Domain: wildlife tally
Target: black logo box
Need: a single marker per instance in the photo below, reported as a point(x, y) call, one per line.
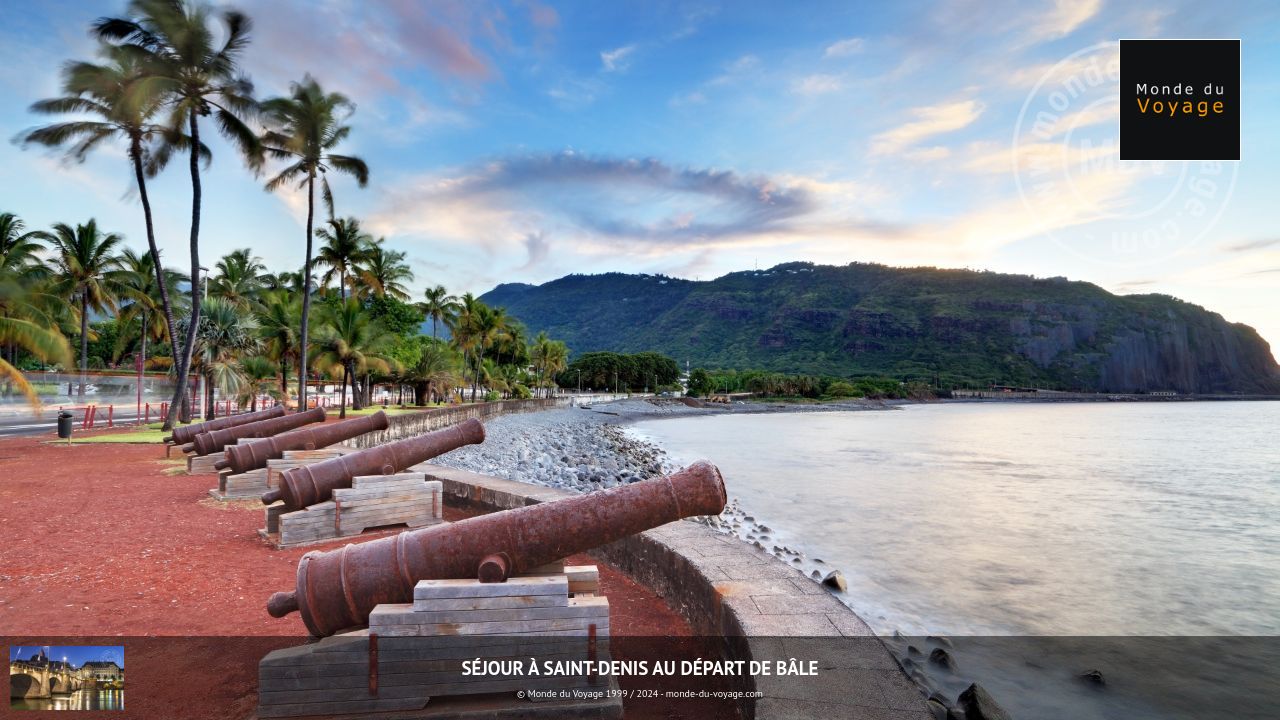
point(1187, 68)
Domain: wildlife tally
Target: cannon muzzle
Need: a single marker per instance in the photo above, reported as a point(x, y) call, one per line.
point(215, 441)
point(185, 433)
point(339, 588)
point(253, 455)
point(314, 483)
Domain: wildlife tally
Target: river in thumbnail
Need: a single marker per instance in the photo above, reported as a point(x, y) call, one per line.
point(1000, 522)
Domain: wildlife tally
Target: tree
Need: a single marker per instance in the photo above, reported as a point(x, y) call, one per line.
point(279, 315)
point(353, 342)
point(549, 357)
point(140, 304)
point(125, 102)
point(700, 384)
point(343, 251)
point(20, 264)
point(225, 334)
point(383, 272)
point(435, 372)
point(440, 306)
point(304, 128)
point(239, 278)
point(87, 271)
point(259, 375)
point(174, 41)
point(25, 325)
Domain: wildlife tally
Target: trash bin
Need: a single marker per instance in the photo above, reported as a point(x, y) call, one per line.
point(64, 425)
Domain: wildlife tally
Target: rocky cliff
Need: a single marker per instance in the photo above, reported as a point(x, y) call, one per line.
point(957, 326)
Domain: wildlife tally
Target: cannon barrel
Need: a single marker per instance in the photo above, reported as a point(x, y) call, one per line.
point(183, 434)
point(215, 441)
point(339, 588)
point(314, 483)
point(253, 455)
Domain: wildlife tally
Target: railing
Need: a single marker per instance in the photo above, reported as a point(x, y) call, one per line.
point(417, 423)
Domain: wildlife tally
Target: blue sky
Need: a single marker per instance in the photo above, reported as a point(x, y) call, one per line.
point(77, 655)
point(522, 141)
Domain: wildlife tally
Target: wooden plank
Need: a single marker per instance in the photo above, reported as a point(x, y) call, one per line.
point(490, 603)
point(521, 585)
point(512, 627)
point(389, 614)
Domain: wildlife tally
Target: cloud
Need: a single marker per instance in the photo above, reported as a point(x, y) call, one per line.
point(1064, 18)
point(1250, 245)
point(844, 48)
point(616, 60)
point(538, 247)
point(930, 120)
point(818, 84)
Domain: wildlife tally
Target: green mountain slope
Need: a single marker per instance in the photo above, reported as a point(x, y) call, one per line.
point(966, 327)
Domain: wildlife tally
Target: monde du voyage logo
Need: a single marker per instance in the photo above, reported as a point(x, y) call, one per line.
point(1179, 99)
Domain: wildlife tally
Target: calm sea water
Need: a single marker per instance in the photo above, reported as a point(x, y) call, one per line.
point(1141, 540)
point(1021, 519)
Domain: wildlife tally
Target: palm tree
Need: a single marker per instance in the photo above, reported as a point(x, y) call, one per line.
point(278, 317)
point(197, 78)
point(259, 374)
point(464, 328)
point(87, 271)
point(304, 129)
point(19, 262)
point(439, 306)
point(343, 252)
point(435, 373)
point(239, 277)
point(384, 272)
point(225, 334)
point(352, 341)
point(125, 104)
point(549, 357)
point(24, 325)
point(139, 294)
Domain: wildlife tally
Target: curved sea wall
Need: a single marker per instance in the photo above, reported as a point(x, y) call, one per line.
point(758, 605)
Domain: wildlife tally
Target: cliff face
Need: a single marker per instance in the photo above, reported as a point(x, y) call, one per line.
point(961, 327)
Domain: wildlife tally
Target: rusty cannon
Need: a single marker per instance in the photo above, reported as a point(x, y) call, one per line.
point(338, 589)
point(211, 442)
point(311, 484)
point(253, 455)
point(184, 434)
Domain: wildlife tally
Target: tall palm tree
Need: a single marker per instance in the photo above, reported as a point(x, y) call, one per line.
point(20, 262)
point(343, 252)
point(24, 325)
point(278, 317)
point(304, 129)
point(226, 333)
point(140, 302)
point(125, 105)
point(349, 339)
point(239, 277)
point(20, 249)
point(197, 77)
point(384, 272)
point(259, 374)
point(87, 270)
point(435, 373)
point(465, 330)
point(440, 306)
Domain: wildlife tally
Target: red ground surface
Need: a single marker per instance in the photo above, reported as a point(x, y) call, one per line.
point(99, 540)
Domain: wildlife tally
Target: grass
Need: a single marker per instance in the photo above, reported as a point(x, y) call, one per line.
point(390, 410)
point(150, 435)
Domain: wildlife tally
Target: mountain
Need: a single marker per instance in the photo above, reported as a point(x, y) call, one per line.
point(964, 327)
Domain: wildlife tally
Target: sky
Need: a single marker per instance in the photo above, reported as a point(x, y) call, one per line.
point(522, 141)
point(77, 655)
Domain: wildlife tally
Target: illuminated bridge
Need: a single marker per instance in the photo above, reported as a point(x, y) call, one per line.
point(43, 679)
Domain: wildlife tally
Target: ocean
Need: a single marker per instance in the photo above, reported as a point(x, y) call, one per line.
point(1003, 526)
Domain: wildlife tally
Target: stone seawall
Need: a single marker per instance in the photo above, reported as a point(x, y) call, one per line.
point(760, 607)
